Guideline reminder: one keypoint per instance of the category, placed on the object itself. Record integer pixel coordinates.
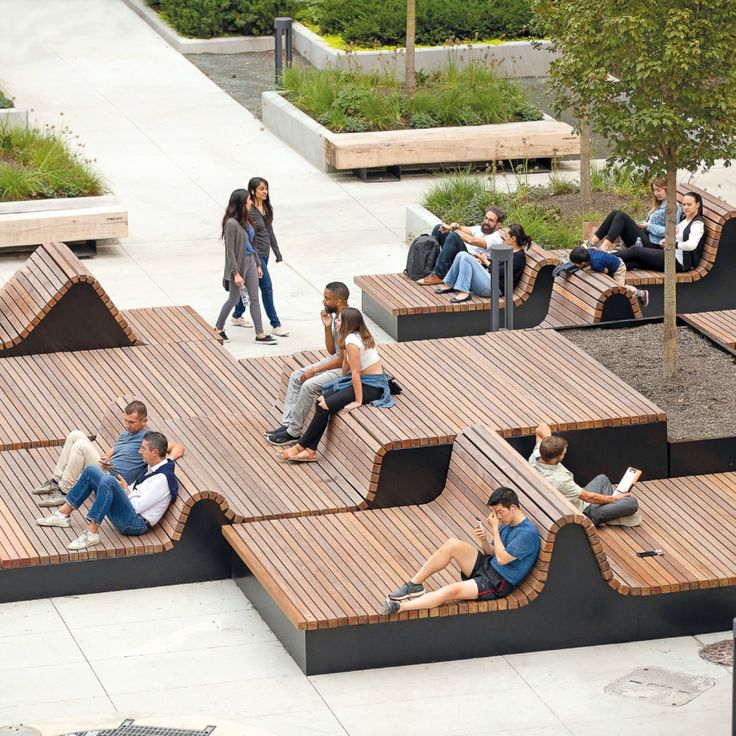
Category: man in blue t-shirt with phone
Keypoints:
(502, 562)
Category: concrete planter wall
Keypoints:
(419, 220)
(514, 58)
(12, 117)
(228, 45)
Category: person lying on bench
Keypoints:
(599, 261)
(689, 241)
(471, 274)
(502, 562)
(597, 500)
(132, 509)
(650, 230)
(305, 384)
(363, 381)
(454, 239)
(79, 453)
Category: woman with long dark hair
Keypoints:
(650, 230)
(241, 266)
(471, 274)
(261, 217)
(363, 381)
(689, 241)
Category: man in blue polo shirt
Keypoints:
(122, 459)
(491, 572)
(603, 262)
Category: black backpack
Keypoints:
(422, 256)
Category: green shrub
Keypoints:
(5, 102)
(208, 18)
(383, 22)
(39, 164)
(474, 95)
(464, 197)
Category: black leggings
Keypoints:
(335, 401)
(651, 258)
(619, 224)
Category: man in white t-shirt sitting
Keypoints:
(133, 510)
(454, 239)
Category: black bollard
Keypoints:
(283, 44)
(502, 255)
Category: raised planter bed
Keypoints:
(30, 223)
(13, 117)
(330, 151)
(225, 45)
(514, 58)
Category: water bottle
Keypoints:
(638, 243)
(244, 297)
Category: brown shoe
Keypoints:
(431, 280)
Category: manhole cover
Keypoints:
(660, 687)
(130, 728)
(720, 652)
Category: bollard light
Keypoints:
(502, 256)
(282, 44)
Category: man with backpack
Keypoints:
(454, 239)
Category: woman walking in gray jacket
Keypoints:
(241, 264)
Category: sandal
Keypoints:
(460, 299)
(444, 290)
(310, 456)
(288, 454)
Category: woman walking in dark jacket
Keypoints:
(241, 265)
(261, 217)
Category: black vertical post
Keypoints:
(501, 255)
(282, 44)
(733, 687)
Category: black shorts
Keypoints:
(490, 584)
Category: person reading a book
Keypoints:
(599, 500)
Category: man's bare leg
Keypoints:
(463, 553)
(467, 590)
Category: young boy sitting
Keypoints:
(603, 262)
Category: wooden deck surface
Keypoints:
(720, 326)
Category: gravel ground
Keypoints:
(700, 402)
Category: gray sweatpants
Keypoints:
(600, 513)
(251, 285)
(300, 397)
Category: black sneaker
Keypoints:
(280, 428)
(282, 439)
(222, 334)
(406, 591)
(267, 340)
(390, 606)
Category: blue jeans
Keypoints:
(451, 244)
(467, 274)
(111, 501)
(266, 297)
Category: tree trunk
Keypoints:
(669, 346)
(411, 27)
(586, 192)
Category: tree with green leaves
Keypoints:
(657, 78)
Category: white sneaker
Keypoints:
(84, 540)
(55, 519)
(240, 322)
(280, 331)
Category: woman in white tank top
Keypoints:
(363, 381)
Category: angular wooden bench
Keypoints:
(53, 303)
(718, 326)
(588, 298)
(409, 311)
(25, 224)
(320, 581)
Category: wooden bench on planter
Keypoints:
(54, 303)
(718, 326)
(587, 298)
(320, 581)
(409, 311)
(392, 149)
(25, 224)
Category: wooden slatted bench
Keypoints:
(718, 326)
(588, 298)
(25, 224)
(157, 325)
(540, 139)
(409, 311)
(54, 303)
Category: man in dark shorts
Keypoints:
(503, 562)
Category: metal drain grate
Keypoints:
(130, 728)
(660, 687)
(720, 652)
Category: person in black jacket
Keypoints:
(261, 217)
(471, 274)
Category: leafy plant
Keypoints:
(5, 102)
(473, 95)
(39, 164)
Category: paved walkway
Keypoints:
(172, 146)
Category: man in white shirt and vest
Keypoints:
(132, 509)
